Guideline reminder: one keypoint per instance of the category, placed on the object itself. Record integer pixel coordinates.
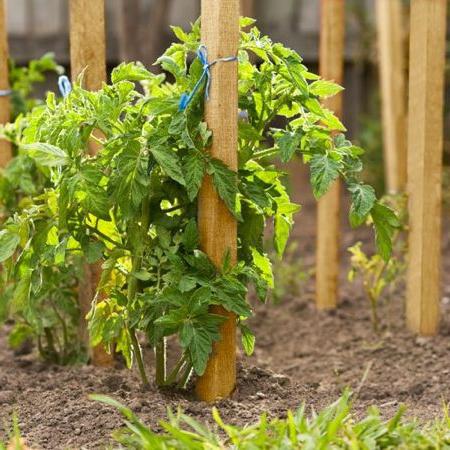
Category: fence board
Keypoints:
(426, 92)
(332, 34)
(217, 227)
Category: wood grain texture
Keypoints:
(332, 34)
(87, 56)
(217, 227)
(425, 137)
(5, 101)
(248, 8)
(87, 42)
(391, 55)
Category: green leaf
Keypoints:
(324, 170)
(288, 143)
(130, 72)
(363, 199)
(94, 251)
(385, 223)
(190, 236)
(46, 154)
(225, 182)
(324, 88)
(8, 244)
(264, 266)
(194, 168)
(200, 346)
(282, 230)
(248, 340)
(169, 162)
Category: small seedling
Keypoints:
(376, 273)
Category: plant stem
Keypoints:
(133, 287)
(138, 356)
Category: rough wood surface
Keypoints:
(248, 8)
(87, 56)
(87, 42)
(391, 55)
(5, 101)
(218, 229)
(426, 93)
(328, 221)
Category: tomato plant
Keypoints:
(134, 204)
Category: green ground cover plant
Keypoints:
(335, 427)
(134, 204)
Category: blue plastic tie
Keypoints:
(64, 85)
(5, 92)
(202, 55)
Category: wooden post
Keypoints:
(248, 8)
(5, 100)
(217, 227)
(426, 92)
(88, 54)
(393, 92)
(332, 33)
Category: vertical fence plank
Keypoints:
(5, 103)
(426, 92)
(332, 33)
(217, 227)
(87, 53)
(393, 90)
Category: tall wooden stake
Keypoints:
(218, 229)
(426, 92)
(248, 8)
(332, 33)
(393, 91)
(5, 104)
(88, 54)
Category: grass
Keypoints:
(335, 428)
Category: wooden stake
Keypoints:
(426, 92)
(332, 33)
(248, 8)
(88, 55)
(87, 42)
(218, 229)
(393, 92)
(5, 101)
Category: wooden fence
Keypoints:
(218, 228)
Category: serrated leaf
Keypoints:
(248, 340)
(169, 162)
(8, 244)
(194, 168)
(225, 182)
(385, 223)
(130, 72)
(46, 154)
(190, 237)
(324, 88)
(264, 266)
(288, 143)
(324, 170)
(363, 199)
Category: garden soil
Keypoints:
(302, 356)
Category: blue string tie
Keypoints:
(202, 55)
(64, 85)
(5, 92)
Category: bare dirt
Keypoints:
(302, 355)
